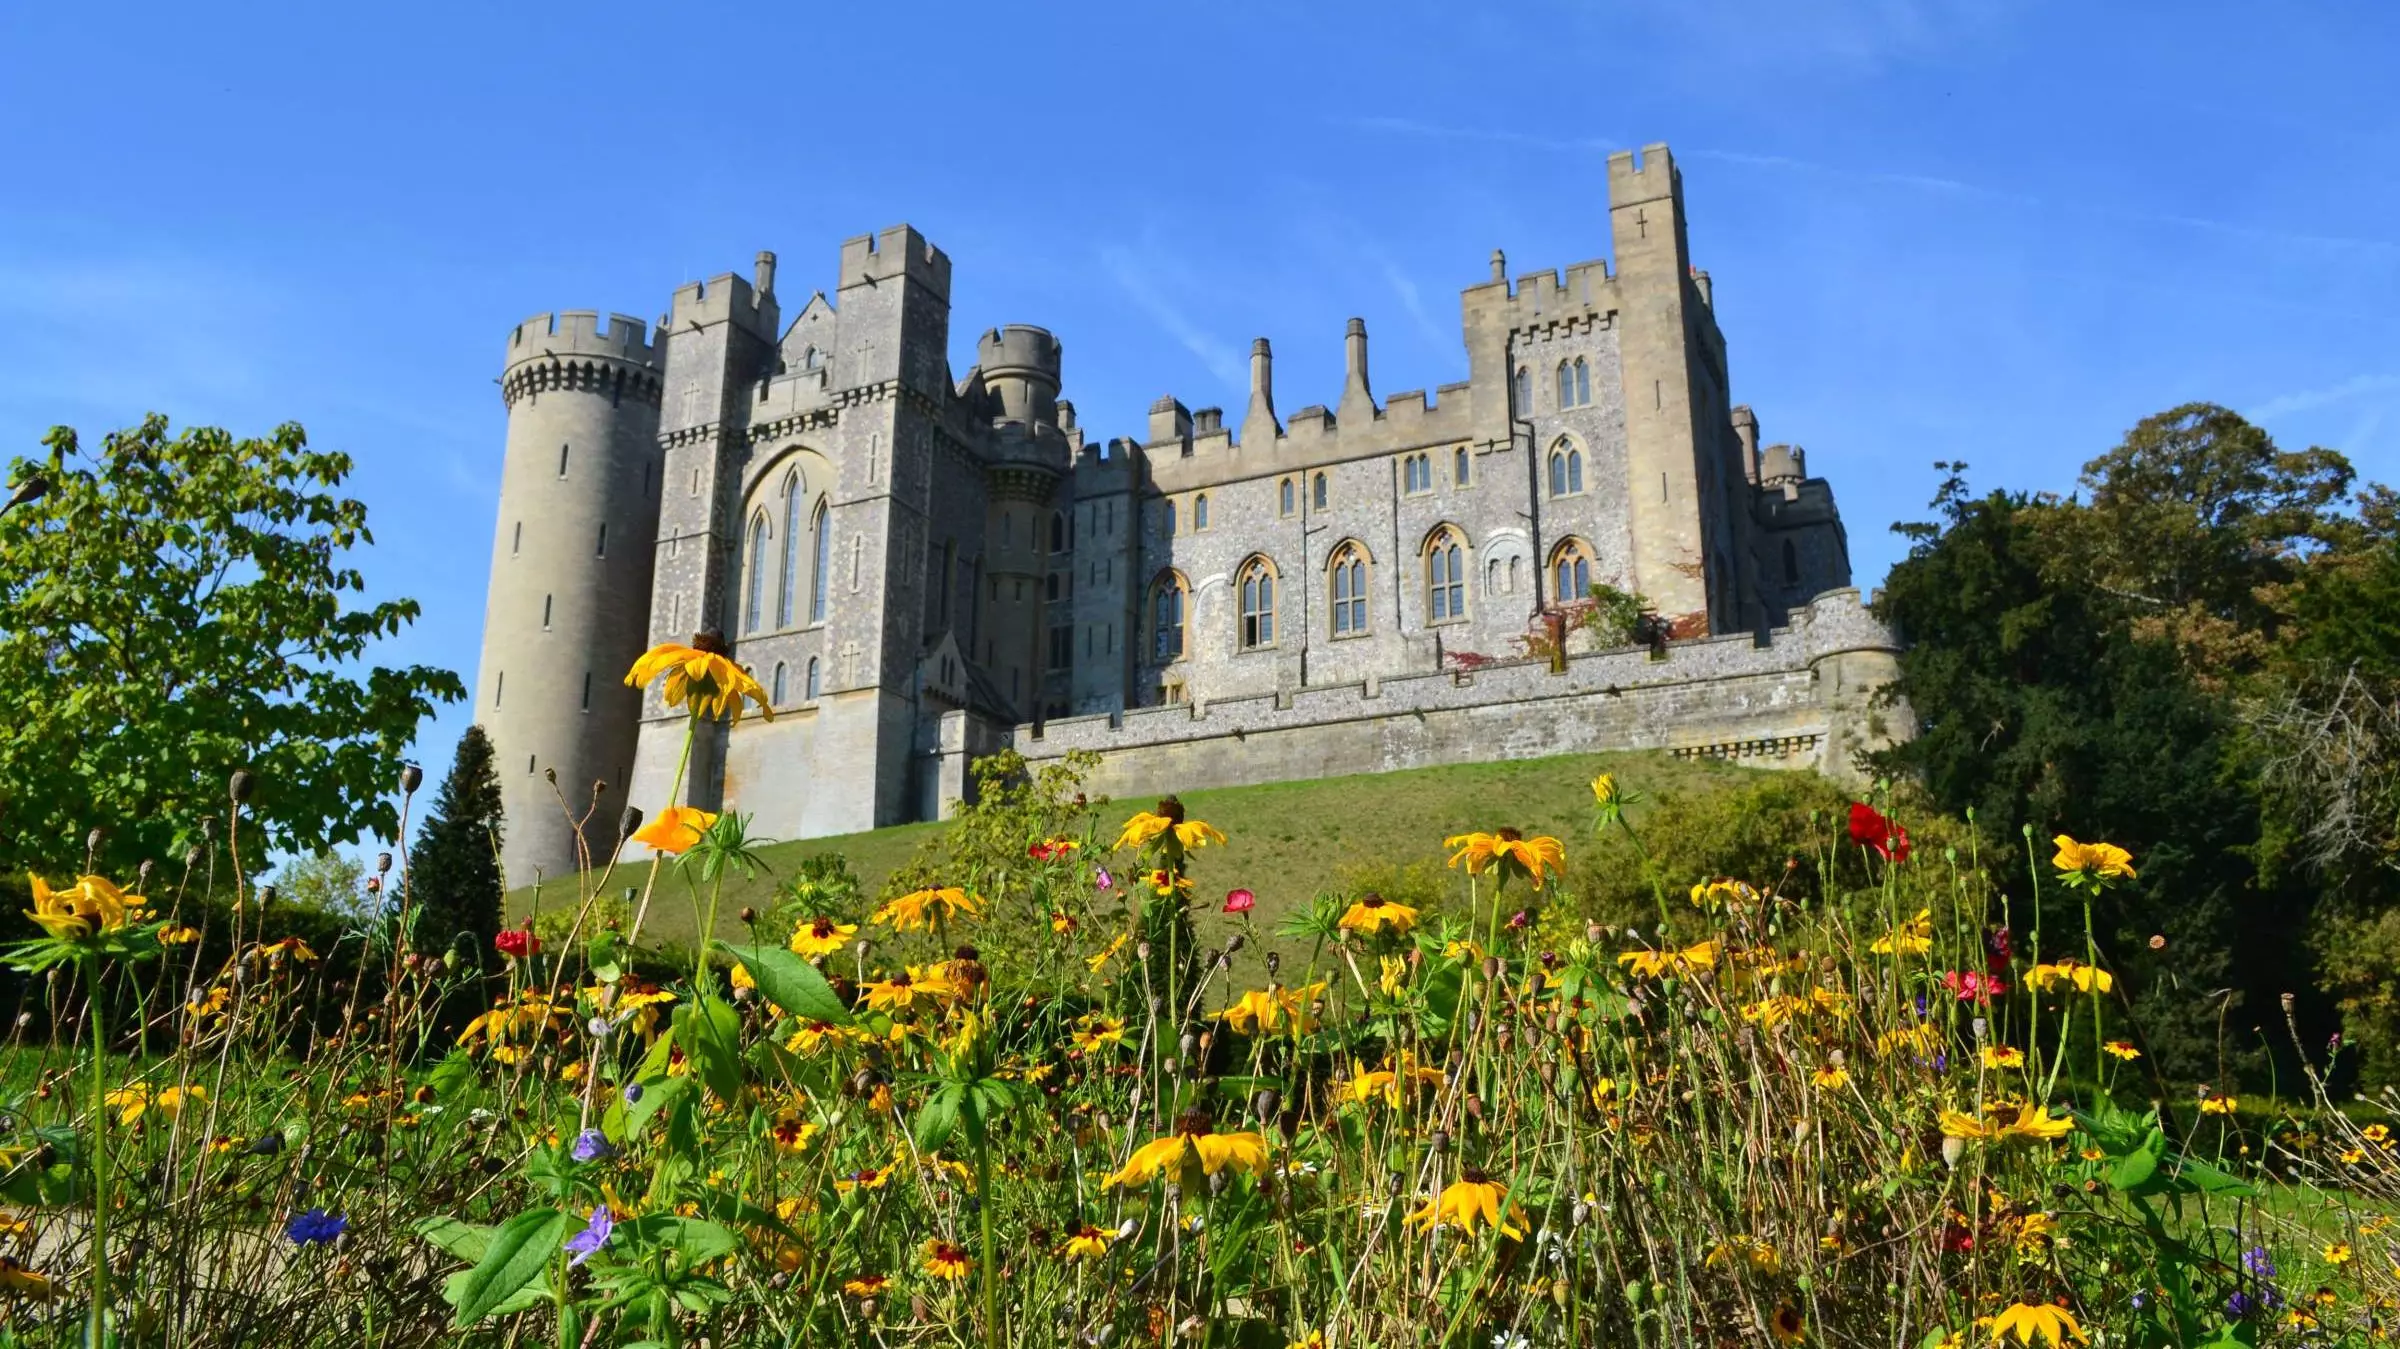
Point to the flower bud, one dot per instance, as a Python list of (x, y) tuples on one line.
[(1234, 943), (1952, 1150), (629, 822), (747, 916), (238, 786), (1127, 1228), (550, 775)]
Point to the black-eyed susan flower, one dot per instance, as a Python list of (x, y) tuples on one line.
[(91, 906), (1669, 964), (176, 934), (1192, 1144), (1830, 1077), (867, 1285), (1510, 852), (1912, 938), (1164, 882), (1374, 913), (1472, 1198), (904, 989), (1102, 957), (23, 1281), (2214, 1104), (2091, 864), (923, 908), (1099, 1032), (2074, 974), (1086, 1242), (1148, 826), (2037, 1124), (1743, 1251), (2339, 1253), (1270, 1009), (820, 937), (2032, 1323), (1786, 1324), (944, 1260), (791, 1133), (1998, 1057), (676, 829), (864, 1178), (701, 675)]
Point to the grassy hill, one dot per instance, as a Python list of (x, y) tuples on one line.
[(1286, 841)]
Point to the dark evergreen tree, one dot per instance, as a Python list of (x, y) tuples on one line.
[(454, 871)]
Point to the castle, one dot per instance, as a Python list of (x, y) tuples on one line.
[(922, 568)]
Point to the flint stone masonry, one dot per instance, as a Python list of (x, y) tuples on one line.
[(923, 567)]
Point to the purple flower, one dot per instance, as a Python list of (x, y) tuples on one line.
[(2258, 1262), (2240, 1305), (591, 1146), (315, 1227), (1101, 878), (588, 1241), (633, 1092)]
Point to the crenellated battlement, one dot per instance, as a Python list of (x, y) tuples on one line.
[(1650, 175), (1117, 466), (1019, 348), (573, 350), (580, 332), (896, 253), (724, 298)]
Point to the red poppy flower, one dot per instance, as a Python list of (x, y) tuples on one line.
[(1239, 901), (1870, 829), (1973, 985), (517, 943)]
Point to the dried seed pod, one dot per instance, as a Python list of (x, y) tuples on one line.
[(383, 863), (1440, 1141), (192, 856), (1264, 1101), (1188, 1045), (411, 777), (239, 785), (1234, 943)]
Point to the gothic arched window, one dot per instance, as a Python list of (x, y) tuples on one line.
[(1583, 382), (1458, 466), (1167, 595), (1419, 473), (1566, 385), (815, 684), (1570, 571), (1257, 588), (1200, 512), (1347, 581), (1445, 575), (1058, 532), (1566, 469), (758, 572), (1524, 391), (776, 695), (819, 573), (1317, 492), (787, 594), (1284, 495)]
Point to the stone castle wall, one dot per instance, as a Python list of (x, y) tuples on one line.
[(1803, 699)]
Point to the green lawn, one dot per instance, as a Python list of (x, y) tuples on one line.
[(1286, 841)]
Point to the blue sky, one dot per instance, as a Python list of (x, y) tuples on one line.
[(1983, 230)]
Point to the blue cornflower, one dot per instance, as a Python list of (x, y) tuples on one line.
[(586, 1243), (591, 1146), (315, 1227)]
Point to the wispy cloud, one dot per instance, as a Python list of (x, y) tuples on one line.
[(1927, 182), (2308, 400), (1134, 278)]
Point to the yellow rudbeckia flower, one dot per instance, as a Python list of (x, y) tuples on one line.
[(1374, 913), (2091, 863), (821, 936), (1510, 851), (1472, 1197), (701, 675), (920, 908), (675, 830), (2032, 1323)]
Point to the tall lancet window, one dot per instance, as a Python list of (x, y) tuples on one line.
[(786, 594), (757, 585), (821, 526)]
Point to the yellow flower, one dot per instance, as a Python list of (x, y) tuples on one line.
[(1163, 882), (2122, 1049), (1395, 976), (2084, 978), (905, 988), (2037, 1322), (1472, 1197), (1195, 834), (1830, 1079), (2219, 1105), (1669, 964), (1315, 1340), (1374, 913), (90, 905), (820, 937), (919, 908), (1759, 1254), (1768, 1013), (177, 934), (1604, 790), (675, 830), (1786, 1324), (1957, 1124), (945, 1261), (1717, 894), (1268, 1009), (1912, 938), (1366, 1086), (2338, 1253), (2092, 861), (865, 1178), (742, 978), (1510, 851), (292, 947), (1178, 1151), (2003, 1056), (1146, 826), (2036, 1123), (1463, 949), (2034, 1230), (702, 675), (866, 1285), (1096, 961), (792, 1133), (1086, 1243), (1098, 1032), (17, 1279)]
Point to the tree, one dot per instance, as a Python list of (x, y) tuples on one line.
[(174, 609), (329, 882), (454, 871)]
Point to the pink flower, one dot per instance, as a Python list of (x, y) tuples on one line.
[(1973, 986), (517, 943), (1239, 901), (1102, 879)]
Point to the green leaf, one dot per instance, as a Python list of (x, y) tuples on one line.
[(451, 1075), (656, 1096), (938, 1117), (790, 983), (458, 1240), (516, 1257), (693, 1240), (709, 1031), (2136, 1168)]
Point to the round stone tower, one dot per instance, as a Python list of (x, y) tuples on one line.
[(1020, 365), (569, 606)]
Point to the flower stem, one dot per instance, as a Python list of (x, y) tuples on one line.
[(96, 1331)]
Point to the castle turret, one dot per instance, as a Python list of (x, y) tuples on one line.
[(1021, 364), (569, 599)]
